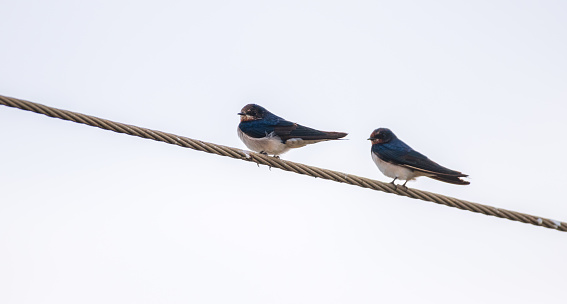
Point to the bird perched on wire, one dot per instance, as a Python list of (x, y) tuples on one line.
[(266, 133), (397, 160)]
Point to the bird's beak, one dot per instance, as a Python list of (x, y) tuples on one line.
[(370, 138), (241, 114)]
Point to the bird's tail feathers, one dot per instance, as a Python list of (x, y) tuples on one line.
[(335, 135), (450, 179)]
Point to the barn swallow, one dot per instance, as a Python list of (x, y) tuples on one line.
[(266, 133), (397, 160)]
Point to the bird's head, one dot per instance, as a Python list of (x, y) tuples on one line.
[(381, 135), (252, 112)]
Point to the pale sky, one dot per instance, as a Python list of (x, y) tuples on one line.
[(92, 216)]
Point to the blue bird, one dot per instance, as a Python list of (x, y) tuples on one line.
[(266, 133), (397, 160)]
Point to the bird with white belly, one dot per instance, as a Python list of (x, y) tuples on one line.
[(266, 133), (397, 160)]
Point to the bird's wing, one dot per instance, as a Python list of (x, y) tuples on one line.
[(287, 130), (256, 128), (409, 158)]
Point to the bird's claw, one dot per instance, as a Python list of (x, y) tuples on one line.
[(393, 184)]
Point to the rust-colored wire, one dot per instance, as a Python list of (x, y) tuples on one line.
[(279, 163)]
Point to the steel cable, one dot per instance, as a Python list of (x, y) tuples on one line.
[(280, 163)]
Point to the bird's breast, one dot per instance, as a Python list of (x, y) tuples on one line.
[(393, 171), (271, 143)]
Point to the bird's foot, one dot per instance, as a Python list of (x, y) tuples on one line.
[(393, 184), (265, 153), (277, 156)]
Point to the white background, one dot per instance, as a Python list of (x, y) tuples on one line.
[(92, 216)]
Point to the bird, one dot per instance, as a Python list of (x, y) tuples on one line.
[(266, 133), (397, 160)]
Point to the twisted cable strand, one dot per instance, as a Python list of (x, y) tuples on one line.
[(279, 163)]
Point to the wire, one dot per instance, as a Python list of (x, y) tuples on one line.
[(280, 163)]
